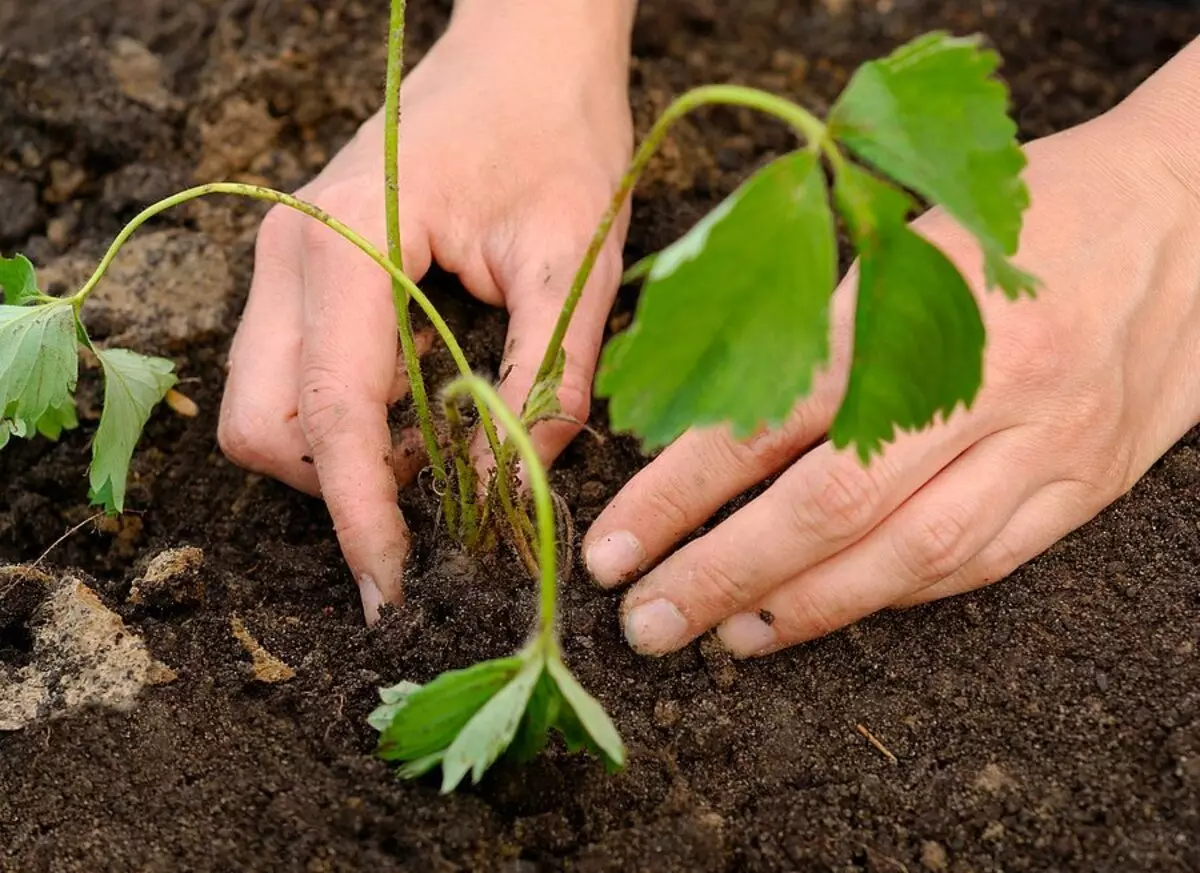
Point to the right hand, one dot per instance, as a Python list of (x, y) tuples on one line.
[(516, 130)]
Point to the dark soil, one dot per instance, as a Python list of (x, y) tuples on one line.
[(1051, 722)]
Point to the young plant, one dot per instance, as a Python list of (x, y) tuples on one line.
[(732, 322), (731, 326), (464, 720)]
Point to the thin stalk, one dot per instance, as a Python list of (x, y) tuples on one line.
[(800, 119), (391, 168), (486, 395), (461, 514), (255, 192)]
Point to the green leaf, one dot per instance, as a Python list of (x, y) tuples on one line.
[(399, 692), (393, 699), (57, 419), (933, 117), (133, 384), (432, 716), (918, 334), (39, 365), (543, 397), (540, 715), (18, 281), (421, 766), (733, 319), (583, 721), (490, 730)]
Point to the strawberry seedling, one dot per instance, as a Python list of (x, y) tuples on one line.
[(731, 326)]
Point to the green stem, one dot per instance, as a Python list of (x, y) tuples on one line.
[(254, 192), (799, 118), (486, 395), (391, 151)]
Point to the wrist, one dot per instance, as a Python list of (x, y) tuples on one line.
[(587, 32), (1164, 116)]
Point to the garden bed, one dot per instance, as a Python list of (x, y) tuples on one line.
[(1049, 723)]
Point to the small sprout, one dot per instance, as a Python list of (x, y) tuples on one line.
[(464, 720)]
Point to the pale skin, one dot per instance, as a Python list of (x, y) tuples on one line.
[(1084, 388)]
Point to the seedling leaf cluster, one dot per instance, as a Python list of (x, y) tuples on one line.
[(732, 327)]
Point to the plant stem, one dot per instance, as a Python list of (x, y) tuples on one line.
[(255, 192), (391, 152), (486, 395), (799, 118)]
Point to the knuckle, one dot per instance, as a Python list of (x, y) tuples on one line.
[(1034, 356), (242, 434), (322, 406), (772, 449), (807, 616), (935, 545), (668, 502), (842, 501), (718, 591), (276, 229)]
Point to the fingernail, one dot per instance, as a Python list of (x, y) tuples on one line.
[(614, 558), (746, 635), (372, 598), (656, 628)]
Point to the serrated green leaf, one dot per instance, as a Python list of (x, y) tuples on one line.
[(733, 319), (918, 334), (432, 716), (583, 721), (541, 713), (933, 117), (39, 365), (490, 730), (18, 281), (57, 419), (133, 385)]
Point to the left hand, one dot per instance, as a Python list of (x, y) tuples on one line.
[(1084, 388)]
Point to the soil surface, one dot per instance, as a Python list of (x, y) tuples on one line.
[(1051, 722)]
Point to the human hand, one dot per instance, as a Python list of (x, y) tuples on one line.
[(515, 130), (1084, 388)]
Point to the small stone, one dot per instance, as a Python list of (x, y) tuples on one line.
[(933, 856), (265, 666), (65, 181), (1102, 681), (172, 578), (83, 655), (239, 133), (139, 73)]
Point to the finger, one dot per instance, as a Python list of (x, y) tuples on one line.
[(258, 427), (348, 366), (534, 304), (706, 468), (934, 534), (688, 483), (422, 343), (1056, 510), (822, 505)]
